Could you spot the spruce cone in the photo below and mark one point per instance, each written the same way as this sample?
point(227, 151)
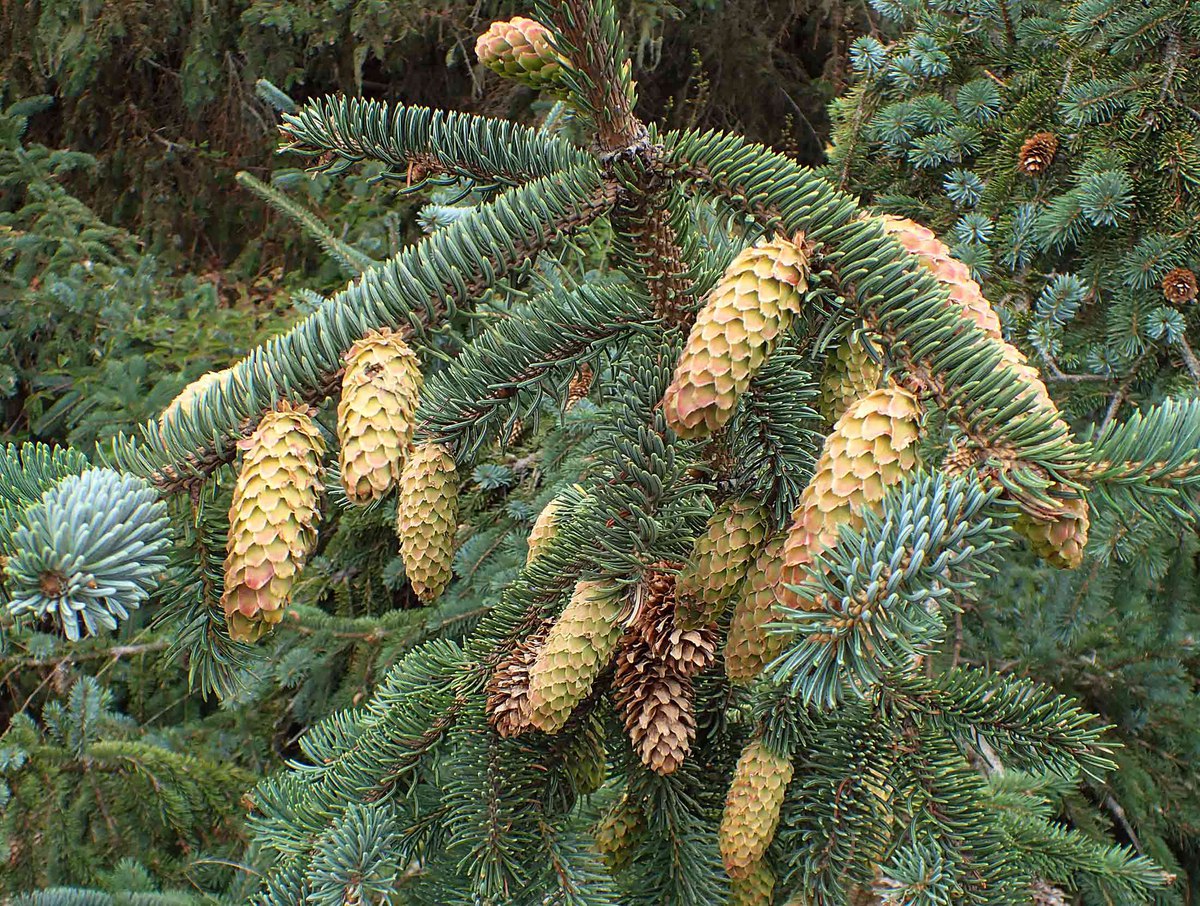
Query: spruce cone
point(580, 385)
point(657, 699)
point(1068, 528)
point(508, 689)
point(1179, 286)
point(719, 561)
point(427, 518)
point(579, 645)
point(687, 650)
point(850, 374)
point(735, 332)
point(752, 807)
point(185, 403)
point(757, 888)
point(748, 646)
point(584, 758)
point(519, 49)
point(272, 520)
point(375, 414)
point(544, 527)
point(1037, 153)
point(618, 833)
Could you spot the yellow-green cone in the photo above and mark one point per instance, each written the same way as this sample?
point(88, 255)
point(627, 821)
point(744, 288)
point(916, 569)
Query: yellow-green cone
point(544, 527)
point(579, 645)
point(757, 888)
point(380, 390)
point(184, 405)
point(850, 374)
point(584, 759)
point(720, 559)
point(744, 316)
point(752, 808)
point(1060, 540)
point(619, 832)
point(427, 518)
point(520, 49)
point(872, 447)
point(272, 520)
point(748, 646)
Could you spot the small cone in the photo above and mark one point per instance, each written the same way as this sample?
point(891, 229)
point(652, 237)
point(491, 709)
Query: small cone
point(757, 888)
point(184, 405)
point(744, 316)
point(1069, 528)
point(584, 758)
point(1179, 286)
point(619, 832)
point(579, 645)
point(519, 49)
point(850, 374)
point(380, 391)
point(580, 385)
point(544, 527)
point(1037, 153)
point(508, 689)
point(427, 518)
point(752, 807)
point(272, 519)
point(720, 559)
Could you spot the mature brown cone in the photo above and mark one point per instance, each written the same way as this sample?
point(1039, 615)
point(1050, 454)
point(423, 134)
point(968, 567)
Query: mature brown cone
point(744, 316)
point(850, 373)
point(657, 700)
point(1069, 528)
point(619, 832)
point(720, 559)
point(380, 390)
point(1037, 153)
point(1044, 894)
point(508, 689)
point(579, 645)
point(749, 647)
point(580, 386)
point(427, 519)
point(272, 519)
point(688, 650)
point(1179, 285)
point(520, 49)
point(752, 807)
point(757, 888)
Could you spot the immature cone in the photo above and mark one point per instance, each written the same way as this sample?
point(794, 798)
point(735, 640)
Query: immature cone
point(579, 645)
point(580, 385)
point(1037, 153)
point(752, 808)
point(850, 374)
point(508, 689)
point(272, 520)
point(185, 403)
point(720, 558)
point(735, 332)
point(749, 647)
point(1179, 285)
point(757, 888)
point(1060, 538)
point(618, 833)
point(426, 519)
point(544, 527)
point(520, 49)
point(584, 758)
point(380, 390)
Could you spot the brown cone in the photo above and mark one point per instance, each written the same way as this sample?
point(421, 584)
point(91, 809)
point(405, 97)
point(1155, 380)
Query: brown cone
point(508, 689)
point(657, 701)
point(1037, 153)
point(1179, 286)
point(580, 386)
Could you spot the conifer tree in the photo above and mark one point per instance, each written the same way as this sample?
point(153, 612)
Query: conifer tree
point(643, 711)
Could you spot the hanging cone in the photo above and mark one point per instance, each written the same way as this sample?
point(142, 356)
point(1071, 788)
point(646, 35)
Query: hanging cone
point(720, 559)
point(752, 807)
point(580, 385)
point(427, 519)
point(689, 650)
point(735, 332)
point(619, 832)
point(380, 391)
point(544, 527)
point(657, 700)
point(184, 405)
point(579, 645)
point(850, 374)
point(508, 689)
point(272, 519)
point(757, 888)
point(749, 647)
point(584, 758)
point(1059, 537)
